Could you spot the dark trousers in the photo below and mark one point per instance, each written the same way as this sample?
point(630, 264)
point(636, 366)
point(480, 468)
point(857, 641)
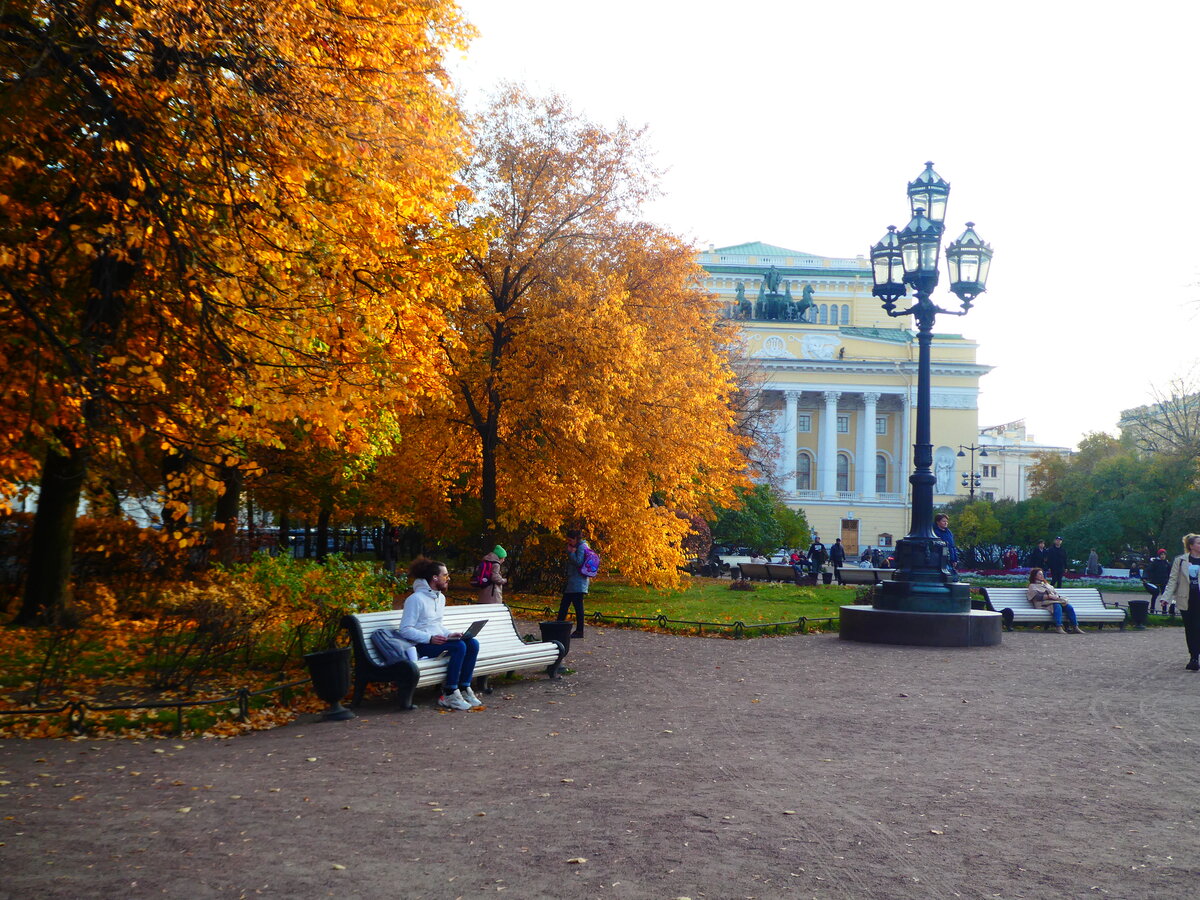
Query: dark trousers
point(574, 599)
point(1191, 629)
point(460, 666)
point(1056, 577)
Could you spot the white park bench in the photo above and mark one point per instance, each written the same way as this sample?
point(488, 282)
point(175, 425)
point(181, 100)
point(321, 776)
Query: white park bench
point(1088, 603)
point(500, 650)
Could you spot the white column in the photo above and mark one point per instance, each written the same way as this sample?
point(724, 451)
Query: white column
point(902, 484)
point(779, 427)
point(867, 464)
point(789, 442)
point(828, 461)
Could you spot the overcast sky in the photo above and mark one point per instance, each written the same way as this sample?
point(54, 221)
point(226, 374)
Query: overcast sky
point(1067, 130)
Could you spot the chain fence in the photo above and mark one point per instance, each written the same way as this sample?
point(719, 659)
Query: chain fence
point(76, 710)
point(739, 628)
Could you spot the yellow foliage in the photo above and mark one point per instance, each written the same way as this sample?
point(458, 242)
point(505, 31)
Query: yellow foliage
point(220, 216)
point(592, 386)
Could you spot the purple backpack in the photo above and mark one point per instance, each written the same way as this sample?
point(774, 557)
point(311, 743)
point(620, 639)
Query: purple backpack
point(590, 567)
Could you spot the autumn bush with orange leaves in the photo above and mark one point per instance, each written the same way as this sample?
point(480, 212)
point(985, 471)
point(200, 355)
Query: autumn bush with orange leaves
point(123, 643)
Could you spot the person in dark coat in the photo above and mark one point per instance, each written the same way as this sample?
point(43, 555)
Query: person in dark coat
point(837, 555)
point(1056, 562)
point(941, 528)
point(1157, 574)
point(1037, 556)
point(817, 555)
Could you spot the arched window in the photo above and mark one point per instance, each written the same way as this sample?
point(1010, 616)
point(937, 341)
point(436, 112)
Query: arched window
point(843, 472)
point(824, 314)
point(804, 466)
point(845, 313)
point(881, 466)
point(833, 314)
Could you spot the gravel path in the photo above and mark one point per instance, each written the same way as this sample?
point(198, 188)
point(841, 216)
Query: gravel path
point(664, 767)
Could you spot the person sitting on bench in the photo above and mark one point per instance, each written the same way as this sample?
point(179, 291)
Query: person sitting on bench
point(1043, 596)
point(422, 625)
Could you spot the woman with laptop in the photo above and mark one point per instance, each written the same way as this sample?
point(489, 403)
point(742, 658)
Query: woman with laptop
point(422, 625)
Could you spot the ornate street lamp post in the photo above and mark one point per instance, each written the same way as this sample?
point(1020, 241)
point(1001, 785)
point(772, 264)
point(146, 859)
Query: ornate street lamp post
point(971, 479)
point(905, 268)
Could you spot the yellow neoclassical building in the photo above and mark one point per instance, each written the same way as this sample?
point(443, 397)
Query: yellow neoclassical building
point(840, 378)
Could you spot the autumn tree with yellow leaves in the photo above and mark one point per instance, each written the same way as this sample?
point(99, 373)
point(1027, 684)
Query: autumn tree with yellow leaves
point(591, 375)
point(220, 221)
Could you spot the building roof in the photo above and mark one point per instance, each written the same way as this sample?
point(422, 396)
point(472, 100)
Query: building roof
point(899, 335)
point(758, 248)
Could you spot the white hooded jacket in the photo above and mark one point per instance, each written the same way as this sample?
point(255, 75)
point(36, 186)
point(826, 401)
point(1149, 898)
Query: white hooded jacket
point(422, 617)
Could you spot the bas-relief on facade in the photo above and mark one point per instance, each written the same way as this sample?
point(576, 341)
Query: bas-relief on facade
point(841, 379)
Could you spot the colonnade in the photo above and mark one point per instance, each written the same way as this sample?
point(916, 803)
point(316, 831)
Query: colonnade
point(861, 406)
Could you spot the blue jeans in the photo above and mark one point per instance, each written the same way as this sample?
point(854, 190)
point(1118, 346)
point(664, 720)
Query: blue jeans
point(460, 667)
point(1056, 610)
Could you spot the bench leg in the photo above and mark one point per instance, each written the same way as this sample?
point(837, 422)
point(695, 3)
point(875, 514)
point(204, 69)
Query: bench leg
point(359, 687)
point(485, 685)
point(552, 669)
point(407, 675)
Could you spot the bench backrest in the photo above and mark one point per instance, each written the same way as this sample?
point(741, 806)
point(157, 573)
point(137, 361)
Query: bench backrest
point(499, 632)
point(856, 575)
point(781, 572)
point(754, 570)
point(852, 575)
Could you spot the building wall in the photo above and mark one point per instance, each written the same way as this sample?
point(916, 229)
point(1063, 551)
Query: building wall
point(862, 371)
point(1012, 454)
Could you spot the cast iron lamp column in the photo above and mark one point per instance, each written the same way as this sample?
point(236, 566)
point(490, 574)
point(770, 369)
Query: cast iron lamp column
point(903, 262)
point(971, 478)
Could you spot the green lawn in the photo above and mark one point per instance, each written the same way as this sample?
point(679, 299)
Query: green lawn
point(709, 601)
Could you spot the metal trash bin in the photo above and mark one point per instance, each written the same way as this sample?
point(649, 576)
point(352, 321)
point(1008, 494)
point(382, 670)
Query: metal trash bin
point(561, 632)
point(1138, 611)
point(330, 673)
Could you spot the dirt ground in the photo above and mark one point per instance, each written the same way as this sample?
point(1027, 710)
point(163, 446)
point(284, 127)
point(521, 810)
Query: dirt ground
point(664, 767)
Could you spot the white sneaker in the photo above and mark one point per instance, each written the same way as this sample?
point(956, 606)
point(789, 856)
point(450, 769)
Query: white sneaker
point(469, 696)
point(453, 700)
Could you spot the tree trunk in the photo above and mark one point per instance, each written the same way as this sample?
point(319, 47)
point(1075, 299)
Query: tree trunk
point(226, 513)
point(52, 544)
point(323, 518)
point(175, 489)
point(488, 491)
point(284, 538)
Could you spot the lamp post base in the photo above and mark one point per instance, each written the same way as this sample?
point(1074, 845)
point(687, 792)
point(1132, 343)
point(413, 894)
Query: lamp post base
point(869, 624)
point(927, 592)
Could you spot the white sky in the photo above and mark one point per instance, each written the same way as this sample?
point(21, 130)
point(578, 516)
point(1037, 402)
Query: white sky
point(1067, 130)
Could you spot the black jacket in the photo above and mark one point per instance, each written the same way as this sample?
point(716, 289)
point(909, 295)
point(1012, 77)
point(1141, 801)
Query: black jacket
point(1158, 571)
point(1056, 559)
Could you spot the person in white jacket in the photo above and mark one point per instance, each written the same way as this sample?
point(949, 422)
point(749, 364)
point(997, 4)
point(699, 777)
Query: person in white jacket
point(1183, 589)
point(421, 623)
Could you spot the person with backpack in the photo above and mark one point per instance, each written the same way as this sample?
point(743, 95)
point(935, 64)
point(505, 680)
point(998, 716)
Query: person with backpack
point(581, 565)
point(487, 578)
